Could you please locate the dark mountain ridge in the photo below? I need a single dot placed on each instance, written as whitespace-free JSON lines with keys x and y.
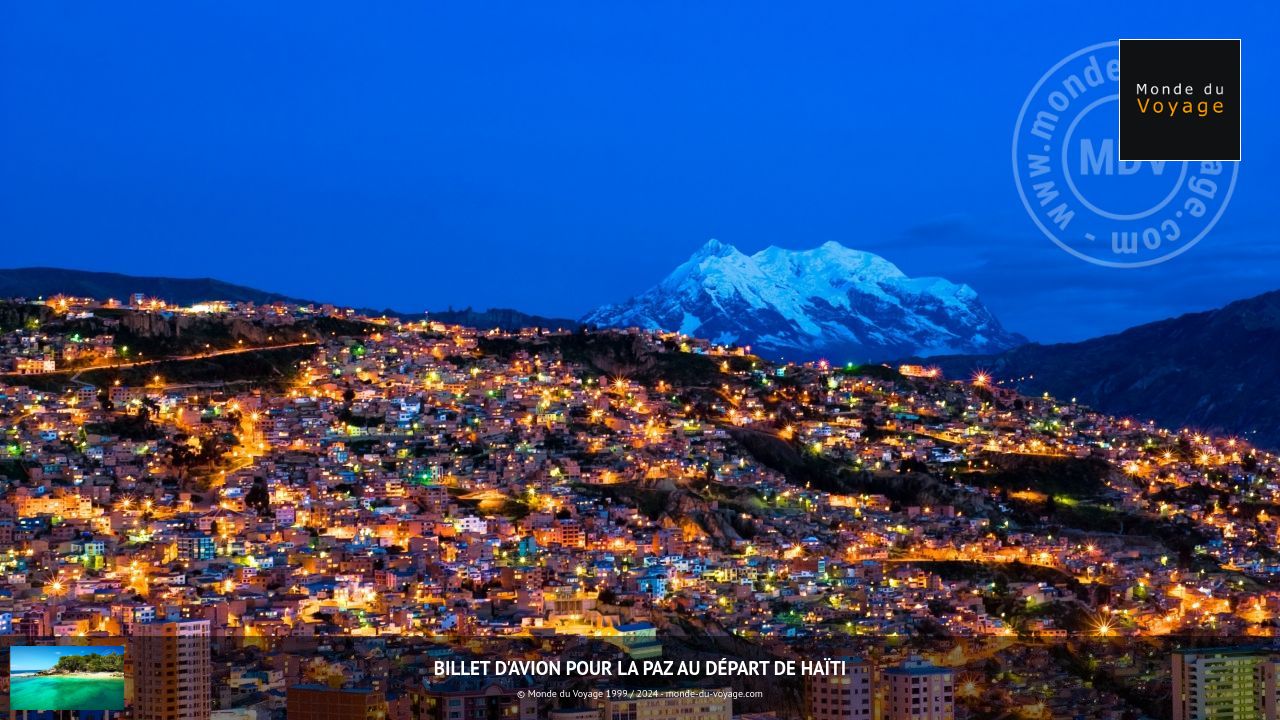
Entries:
{"x":1216,"y":371}
{"x":38,"y":282}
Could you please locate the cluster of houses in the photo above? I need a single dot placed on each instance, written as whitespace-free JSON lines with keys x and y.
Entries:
{"x":412,"y":481}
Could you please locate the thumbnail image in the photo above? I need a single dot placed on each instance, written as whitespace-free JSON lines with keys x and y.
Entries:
{"x":57,"y":677}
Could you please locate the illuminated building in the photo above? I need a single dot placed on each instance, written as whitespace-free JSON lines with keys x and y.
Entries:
{"x":919,"y":690}
{"x":575,"y":714}
{"x":919,"y":371}
{"x":196,"y":547}
{"x":1222,"y":684}
{"x":687,"y":704}
{"x":171,"y":670}
{"x":318,"y":702}
{"x":1269,"y":688}
{"x":472,"y":698}
{"x":840,"y":697}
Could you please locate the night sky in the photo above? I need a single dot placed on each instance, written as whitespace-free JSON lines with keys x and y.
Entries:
{"x":552,"y":157}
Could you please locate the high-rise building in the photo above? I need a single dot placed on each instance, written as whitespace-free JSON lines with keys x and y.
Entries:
{"x":688,"y":704}
{"x":472,"y":698}
{"x":1223,"y":684}
{"x":195,"y":546}
{"x":840,"y":697}
{"x":171,"y":667}
{"x":919,"y":690}
{"x":320,"y":702}
{"x":576,"y":713}
{"x":1269,"y":688}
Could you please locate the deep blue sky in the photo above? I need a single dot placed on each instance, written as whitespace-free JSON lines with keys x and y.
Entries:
{"x":555,"y":156}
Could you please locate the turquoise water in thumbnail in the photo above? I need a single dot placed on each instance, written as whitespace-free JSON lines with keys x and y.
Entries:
{"x":35,"y":692}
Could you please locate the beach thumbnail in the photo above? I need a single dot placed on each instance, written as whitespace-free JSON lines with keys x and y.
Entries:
{"x":58,"y":677}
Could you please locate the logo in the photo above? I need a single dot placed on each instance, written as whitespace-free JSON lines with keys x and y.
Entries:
{"x":1070,"y":178}
{"x":1180,"y":100}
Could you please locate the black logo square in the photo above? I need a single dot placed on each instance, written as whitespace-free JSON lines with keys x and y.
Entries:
{"x":1179,"y":100}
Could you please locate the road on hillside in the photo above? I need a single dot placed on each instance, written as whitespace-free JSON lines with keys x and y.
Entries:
{"x":158,"y":361}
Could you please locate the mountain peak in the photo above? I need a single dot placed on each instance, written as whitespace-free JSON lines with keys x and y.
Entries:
{"x":714,"y":248}
{"x":828,"y":301}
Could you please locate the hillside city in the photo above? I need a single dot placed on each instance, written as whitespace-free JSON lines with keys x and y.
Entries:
{"x":266,"y":475}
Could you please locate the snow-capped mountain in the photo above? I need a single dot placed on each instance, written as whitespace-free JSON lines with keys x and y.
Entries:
{"x":829,"y":302}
